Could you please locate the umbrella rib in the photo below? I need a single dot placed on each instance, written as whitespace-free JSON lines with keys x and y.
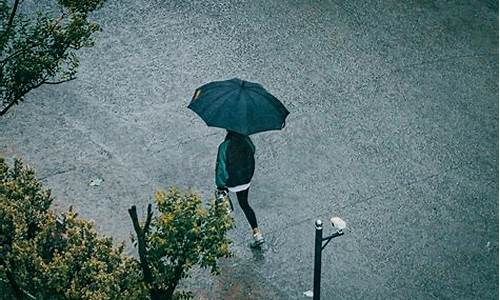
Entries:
{"x":273,"y":102}
{"x":253,"y":103}
{"x":276,"y":104}
{"x":246,"y":108}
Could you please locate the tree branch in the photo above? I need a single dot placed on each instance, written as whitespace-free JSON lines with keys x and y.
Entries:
{"x":19,"y":293}
{"x":19,"y":97}
{"x":148,"y":219}
{"x":178,"y":271}
{"x":61,"y":81}
{"x":5,"y":109}
{"x":24,"y":50}
{"x":16,"y":53}
{"x":141,"y":244}
{"x":11,"y":20}
{"x":12,"y":15}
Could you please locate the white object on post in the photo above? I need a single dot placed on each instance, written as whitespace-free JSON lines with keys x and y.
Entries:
{"x":338,"y":223}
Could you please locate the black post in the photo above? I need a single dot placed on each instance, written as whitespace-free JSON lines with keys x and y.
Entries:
{"x":317,"y":259}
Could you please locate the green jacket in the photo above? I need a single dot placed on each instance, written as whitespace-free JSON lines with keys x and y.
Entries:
{"x":235,"y":161}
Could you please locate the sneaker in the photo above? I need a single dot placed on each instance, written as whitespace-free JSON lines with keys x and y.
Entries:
{"x":258,"y":239}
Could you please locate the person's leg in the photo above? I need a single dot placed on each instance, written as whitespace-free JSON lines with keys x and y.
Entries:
{"x":249,"y":213}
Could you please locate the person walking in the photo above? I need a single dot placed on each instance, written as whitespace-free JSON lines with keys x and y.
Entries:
{"x":234,"y":170}
{"x":242,"y":108}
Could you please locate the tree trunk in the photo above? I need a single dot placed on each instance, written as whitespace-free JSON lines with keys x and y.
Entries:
{"x":141,"y":245}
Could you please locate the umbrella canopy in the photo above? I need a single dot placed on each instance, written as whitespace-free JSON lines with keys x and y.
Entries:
{"x":238,"y":105}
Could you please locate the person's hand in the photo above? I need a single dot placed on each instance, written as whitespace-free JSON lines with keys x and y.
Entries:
{"x":223,"y":190}
{"x":220,"y":193}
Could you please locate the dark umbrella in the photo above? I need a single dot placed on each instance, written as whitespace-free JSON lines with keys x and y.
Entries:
{"x":238,"y":105}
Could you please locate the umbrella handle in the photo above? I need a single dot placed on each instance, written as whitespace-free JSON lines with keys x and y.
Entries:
{"x":283,"y":124}
{"x":196,"y":94}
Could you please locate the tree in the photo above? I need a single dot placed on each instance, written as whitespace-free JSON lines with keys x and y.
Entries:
{"x":183,"y":235}
{"x":46,"y":255}
{"x":40,"y":48}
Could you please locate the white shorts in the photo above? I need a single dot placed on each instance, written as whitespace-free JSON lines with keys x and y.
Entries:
{"x":239,"y":188}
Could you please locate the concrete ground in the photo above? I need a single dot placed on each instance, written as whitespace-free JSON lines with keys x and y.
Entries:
{"x":393,"y":127}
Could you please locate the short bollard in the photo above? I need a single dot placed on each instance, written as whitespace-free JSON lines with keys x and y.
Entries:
{"x":339,"y":224}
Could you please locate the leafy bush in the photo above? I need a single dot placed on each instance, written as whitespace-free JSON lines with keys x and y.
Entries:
{"x":185,"y":234}
{"x":44,"y":255}
{"x":48,"y":256}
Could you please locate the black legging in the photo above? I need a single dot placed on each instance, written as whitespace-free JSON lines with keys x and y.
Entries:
{"x":249,"y":213}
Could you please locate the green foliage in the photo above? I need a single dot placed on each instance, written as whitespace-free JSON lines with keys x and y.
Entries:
{"x":44,"y":255}
{"x":183,"y":235}
{"x":41,"y":47}
{"x":53,"y":256}
{"x":82,"y":7}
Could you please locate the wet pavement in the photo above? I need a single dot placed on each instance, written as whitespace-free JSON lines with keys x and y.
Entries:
{"x":393,"y":127}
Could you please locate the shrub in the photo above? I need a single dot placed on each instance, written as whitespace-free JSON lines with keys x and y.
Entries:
{"x":45,"y":255}
{"x":183,"y":235}
{"x":48,"y":256}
